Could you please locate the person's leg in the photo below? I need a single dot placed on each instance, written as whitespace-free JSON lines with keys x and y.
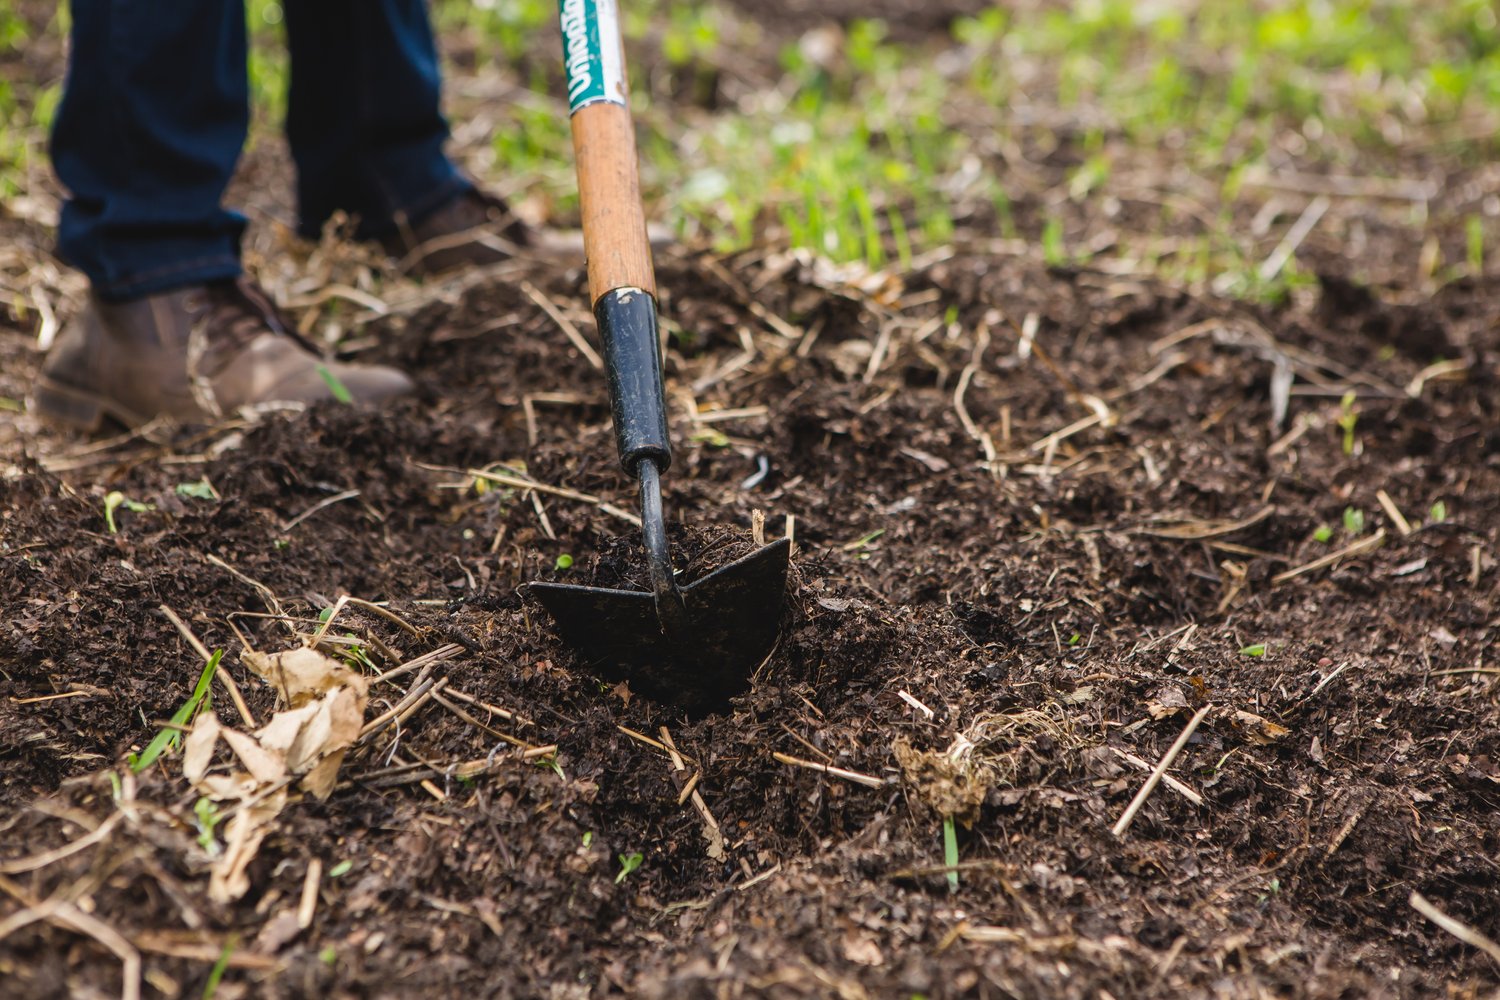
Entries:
{"x":152,"y":120}
{"x":363,"y":116}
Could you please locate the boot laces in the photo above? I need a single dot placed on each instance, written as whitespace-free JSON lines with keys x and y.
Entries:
{"x":236,"y":313}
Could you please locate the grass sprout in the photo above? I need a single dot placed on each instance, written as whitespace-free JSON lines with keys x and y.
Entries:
{"x":172,"y":736}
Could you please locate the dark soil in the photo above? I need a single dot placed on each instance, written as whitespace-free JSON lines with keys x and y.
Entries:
{"x":1029,"y":616}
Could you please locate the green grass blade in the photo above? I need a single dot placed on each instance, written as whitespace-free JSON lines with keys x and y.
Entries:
{"x":950,"y":852}
{"x":170,"y":737}
{"x":339,"y":389}
{"x":217,"y":972}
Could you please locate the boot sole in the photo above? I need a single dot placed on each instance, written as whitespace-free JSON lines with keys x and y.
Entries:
{"x":76,"y":408}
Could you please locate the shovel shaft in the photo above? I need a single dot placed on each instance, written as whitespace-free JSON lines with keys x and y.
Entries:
{"x":622,"y":286}
{"x":609,"y":190}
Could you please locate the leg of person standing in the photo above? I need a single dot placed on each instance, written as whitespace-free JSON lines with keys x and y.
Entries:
{"x":152,"y":120}
{"x":153,"y":117}
{"x":367,"y":133}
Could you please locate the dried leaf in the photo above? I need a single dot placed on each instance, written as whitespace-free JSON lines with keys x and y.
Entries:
{"x":862,"y":951}
{"x":243,"y":835}
{"x":198,"y":748}
{"x":952,"y":787}
{"x":265,"y":766}
{"x":299,"y":675}
{"x":1257,"y":730}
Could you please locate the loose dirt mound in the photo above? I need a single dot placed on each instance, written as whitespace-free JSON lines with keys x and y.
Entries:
{"x":1042,"y":517}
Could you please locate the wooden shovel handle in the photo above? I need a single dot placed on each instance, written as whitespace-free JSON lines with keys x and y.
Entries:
{"x":609,"y":190}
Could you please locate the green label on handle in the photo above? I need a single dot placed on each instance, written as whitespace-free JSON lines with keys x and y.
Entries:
{"x":591,"y":48}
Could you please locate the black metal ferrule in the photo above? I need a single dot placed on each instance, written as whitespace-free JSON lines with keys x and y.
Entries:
{"x":632,"y":355}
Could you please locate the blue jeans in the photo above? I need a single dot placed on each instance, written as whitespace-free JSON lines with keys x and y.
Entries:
{"x":154,"y":115}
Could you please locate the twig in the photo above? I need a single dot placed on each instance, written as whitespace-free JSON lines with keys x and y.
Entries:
{"x":1343,"y":185}
{"x":1358,"y":548}
{"x":309,"y":902}
{"x":505,"y":714}
{"x":220,"y":674}
{"x":1436,"y":370}
{"x":387,"y":614}
{"x":61,"y":912}
{"x":558,"y":491}
{"x":1393,"y":512}
{"x":868,"y":780}
{"x":1309,"y":218}
{"x":1156,"y":775}
{"x":643,"y":738}
{"x":321,"y":504}
{"x":1457,"y":928}
{"x":914,"y":703}
{"x":51,"y":697}
{"x":445,"y":652}
{"x":273,"y":604}
{"x":687,"y":789}
{"x":711,"y":831}
{"x":1167,"y":779}
{"x":566,"y":325}
{"x":1051,"y":441}
{"x":421,"y":689}
{"x":985,"y":441}
{"x":22,"y":865}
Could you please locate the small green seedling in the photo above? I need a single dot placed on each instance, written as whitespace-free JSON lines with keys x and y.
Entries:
{"x":564,"y":561}
{"x":1053,"y":253}
{"x":335,"y":386}
{"x":208,"y":818}
{"x":1439,"y":512}
{"x":1074,"y":639}
{"x":628,"y":863}
{"x":588,"y":838}
{"x":216,"y":974}
{"x":199,"y":490}
{"x":1354,"y":521}
{"x":114,"y":500}
{"x":1323,"y":534}
{"x":1348,"y":417}
{"x":950,"y":853}
{"x":172,"y":736}
{"x":713,"y":437}
{"x":354,"y":655}
{"x":1254,"y":649}
{"x":328,"y":956}
{"x":341,"y":869}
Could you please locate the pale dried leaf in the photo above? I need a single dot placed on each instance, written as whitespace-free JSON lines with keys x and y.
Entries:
{"x":243,"y":835}
{"x":862,"y":951}
{"x":285,"y":728}
{"x":1260,"y":731}
{"x":265,"y":766}
{"x":198,"y":748}
{"x":227,"y":787}
{"x":300,"y":675}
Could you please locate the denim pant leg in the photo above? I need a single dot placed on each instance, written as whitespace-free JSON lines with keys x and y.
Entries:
{"x":363,"y":117}
{"x":152,"y":120}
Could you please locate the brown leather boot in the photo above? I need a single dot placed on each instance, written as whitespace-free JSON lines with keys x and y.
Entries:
{"x":471,"y":230}
{"x":192,"y":355}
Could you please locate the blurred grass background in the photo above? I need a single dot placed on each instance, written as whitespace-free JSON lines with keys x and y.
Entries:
{"x":1179,"y":139}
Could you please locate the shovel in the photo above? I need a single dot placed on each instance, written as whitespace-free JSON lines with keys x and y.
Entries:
{"x":693,"y":646}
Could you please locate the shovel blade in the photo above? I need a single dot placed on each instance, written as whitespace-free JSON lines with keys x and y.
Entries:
{"x":733,"y":615}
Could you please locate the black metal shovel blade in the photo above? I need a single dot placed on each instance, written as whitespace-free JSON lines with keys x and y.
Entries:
{"x":732,"y":618}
